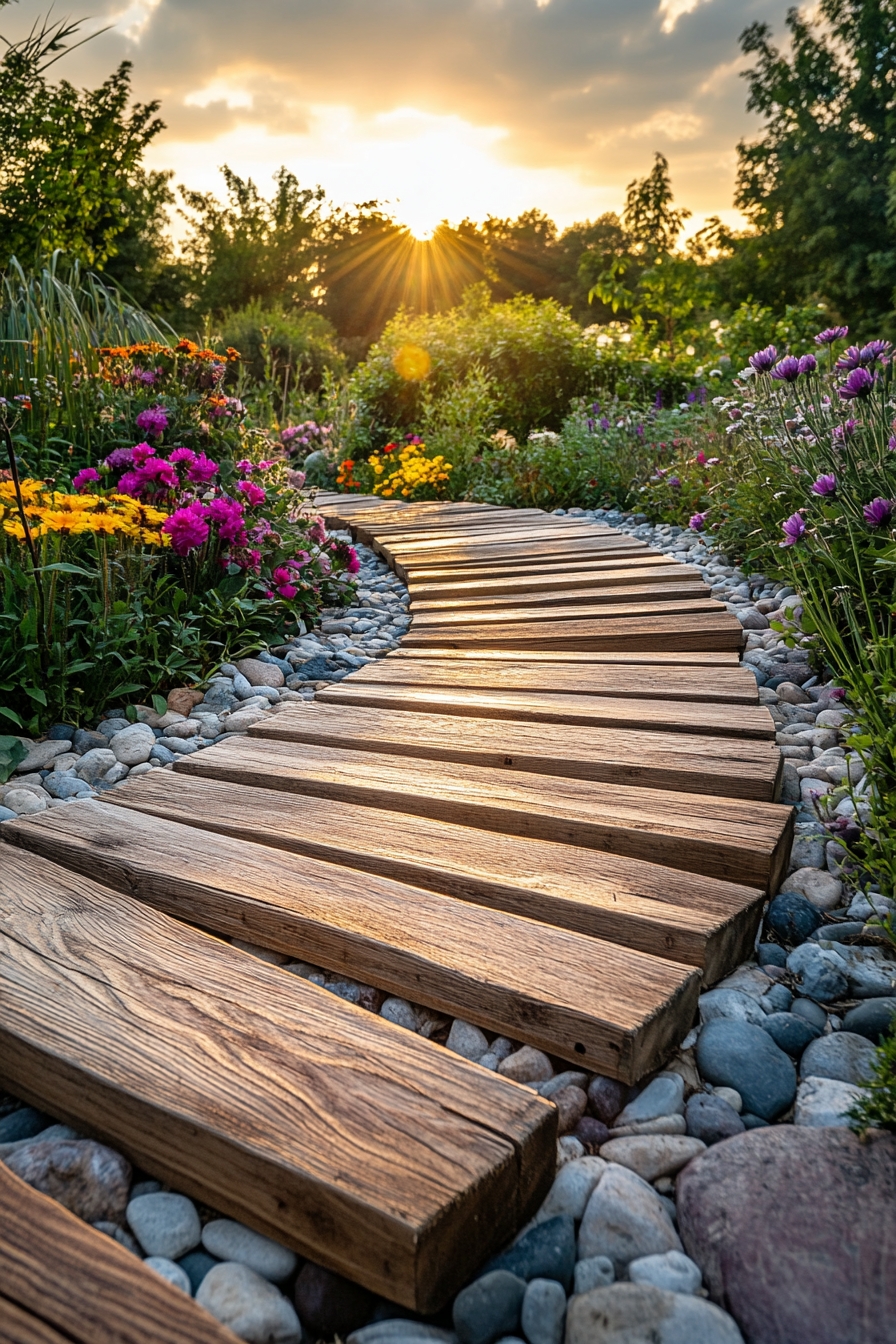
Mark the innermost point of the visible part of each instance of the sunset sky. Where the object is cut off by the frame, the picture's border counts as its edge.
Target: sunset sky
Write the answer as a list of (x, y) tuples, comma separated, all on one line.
[(440, 109)]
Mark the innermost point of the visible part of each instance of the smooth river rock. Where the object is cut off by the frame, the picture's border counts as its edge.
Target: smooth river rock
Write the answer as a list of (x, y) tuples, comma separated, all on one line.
[(843, 1055), (229, 1240), (794, 1231), (249, 1305), (85, 1177), (638, 1313), (624, 1220), (739, 1055), (165, 1224), (652, 1155)]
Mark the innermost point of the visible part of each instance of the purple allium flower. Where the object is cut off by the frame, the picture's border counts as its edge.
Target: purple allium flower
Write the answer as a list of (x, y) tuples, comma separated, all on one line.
[(873, 351), (697, 521), (119, 459), (846, 430), (793, 528), (152, 422), (858, 384), (830, 335), (808, 363), (879, 512), (825, 485), (787, 370), (763, 360), (86, 477), (187, 528)]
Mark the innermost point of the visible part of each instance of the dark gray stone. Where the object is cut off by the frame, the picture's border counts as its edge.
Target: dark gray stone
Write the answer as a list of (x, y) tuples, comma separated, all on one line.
[(793, 918), (871, 1019), (791, 1032), (753, 1121), (739, 1055), (162, 755), (62, 732), (315, 669), (819, 971), (838, 933), (330, 1305), (489, 1308), (779, 997), (196, 1265), (606, 1098), (23, 1124), (810, 1012), (711, 1118), (770, 954), (548, 1251), (86, 740), (843, 1055)]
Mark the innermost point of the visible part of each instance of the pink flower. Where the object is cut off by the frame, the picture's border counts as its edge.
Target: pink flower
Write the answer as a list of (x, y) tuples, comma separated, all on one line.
[(228, 515), (296, 479), (182, 455), (825, 485), (86, 477), (131, 483), (201, 469), (158, 472), (317, 532), (254, 493), (244, 466), (299, 560), (700, 459), (187, 528), (140, 452), (153, 421), (288, 591), (352, 563)]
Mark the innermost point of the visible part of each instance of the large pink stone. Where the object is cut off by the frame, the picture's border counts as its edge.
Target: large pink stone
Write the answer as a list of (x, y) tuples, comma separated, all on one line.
[(795, 1232)]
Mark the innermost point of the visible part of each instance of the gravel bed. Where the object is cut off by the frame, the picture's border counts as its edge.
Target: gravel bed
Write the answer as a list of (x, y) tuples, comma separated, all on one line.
[(766, 1074)]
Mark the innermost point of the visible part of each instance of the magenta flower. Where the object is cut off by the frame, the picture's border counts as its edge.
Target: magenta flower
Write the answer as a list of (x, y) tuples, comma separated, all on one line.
[(787, 370), (858, 384), (808, 363), (317, 532), (157, 472), (764, 360), (891, 443), (793, 528), (700, 459), (131, 483), (187, 528), (300, 560), (352, 563), (182, 455), (153, 421), (227, 514), (879, 512), (140, 452), (254, 493), (201, 470), (698, 521), (244, 466), (83, 479), (830, 335), (873, 351), (846, 430), (825, 485)]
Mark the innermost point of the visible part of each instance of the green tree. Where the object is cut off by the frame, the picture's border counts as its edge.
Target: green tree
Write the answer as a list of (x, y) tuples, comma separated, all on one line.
[(71, 174), (819, 185)]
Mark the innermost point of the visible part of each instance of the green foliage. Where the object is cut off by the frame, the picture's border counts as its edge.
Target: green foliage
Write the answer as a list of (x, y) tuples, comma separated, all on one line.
[(12, 751), (876, 1109), (71, 174), (290, 349), (532, 351), (817, 185)]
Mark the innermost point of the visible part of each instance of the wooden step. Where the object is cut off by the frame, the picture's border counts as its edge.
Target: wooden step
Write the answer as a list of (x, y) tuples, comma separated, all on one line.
[(591, 711), (734, 767), (614, 1009), (695, 920), (625, 609), (549, 658), (732, 686), (725, 838), (62, 1281), (699, 631), (509, 555), (556, 587), (543, 571), (487, 535), (372, 1151), (543, 604)]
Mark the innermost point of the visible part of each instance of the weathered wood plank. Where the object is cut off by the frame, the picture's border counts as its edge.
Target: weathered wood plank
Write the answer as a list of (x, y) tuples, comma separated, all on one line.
[(545, 571), (618, 610), (612, 1008), (668, 681), (556, 586), (73, 1283), (702, 631), (726, 838), (364, 1147), (549, 658), (696, 920), (734, 767), (590, 711), (639, 597)]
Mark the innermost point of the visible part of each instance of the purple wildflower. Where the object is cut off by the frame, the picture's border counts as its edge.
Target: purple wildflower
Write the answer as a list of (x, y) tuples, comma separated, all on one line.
[(763, 360), (825, 485), (604, 422), (846, 430), (808, 363), (697, 521), (787, 370), (793, 528), (858, 384), (878, 512), (850, 359), (873, 351), (830, 335), (891, 443), (675, 482), (153, 421), (86, 477), (119, 459)]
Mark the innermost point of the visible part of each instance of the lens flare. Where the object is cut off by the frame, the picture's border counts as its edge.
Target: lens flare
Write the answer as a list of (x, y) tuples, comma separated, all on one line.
[(412, 363)]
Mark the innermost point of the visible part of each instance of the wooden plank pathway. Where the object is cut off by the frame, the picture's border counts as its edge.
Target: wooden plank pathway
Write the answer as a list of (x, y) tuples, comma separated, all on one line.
[(551, 812)]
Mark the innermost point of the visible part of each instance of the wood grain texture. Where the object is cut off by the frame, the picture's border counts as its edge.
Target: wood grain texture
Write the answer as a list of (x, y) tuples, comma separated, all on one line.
[(611, 1008), (666, 681), (550, 658), (589, 711), (370, 1150), (746, 842), (539, 570), (701, 631), (732, 767), (464, 618), (695, 920), (566, 586), (536, 605), (74, 1283)]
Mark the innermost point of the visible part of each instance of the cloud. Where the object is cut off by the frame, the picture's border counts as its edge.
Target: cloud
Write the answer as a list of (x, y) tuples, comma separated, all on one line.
[(574, 91)]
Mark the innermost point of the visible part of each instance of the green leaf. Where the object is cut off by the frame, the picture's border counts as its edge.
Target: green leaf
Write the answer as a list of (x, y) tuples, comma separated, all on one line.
[(63, 567), (160, 704), (12, 751), (11, 714), (125, 688), (36, 694)]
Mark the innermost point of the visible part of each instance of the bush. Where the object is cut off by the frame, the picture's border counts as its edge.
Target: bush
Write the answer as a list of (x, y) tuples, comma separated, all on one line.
[(289, 349), (877, 1108)]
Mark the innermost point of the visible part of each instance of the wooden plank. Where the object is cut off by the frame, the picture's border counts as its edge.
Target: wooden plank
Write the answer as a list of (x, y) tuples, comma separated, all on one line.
[(611, 1008), (690, 762), (372, 1151), (556, 585), (702, 631), (550, 658), (668, 681), (695, 920), (459, 618), (720, 837), (487, 532), (590, 711), (543, 570), (74, 1283), (635, 596), (510, 551)]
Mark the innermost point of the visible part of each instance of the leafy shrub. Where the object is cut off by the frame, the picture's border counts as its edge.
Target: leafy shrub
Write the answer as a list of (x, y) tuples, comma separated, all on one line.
[(290, 349), (877, 1107)]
